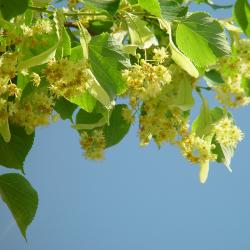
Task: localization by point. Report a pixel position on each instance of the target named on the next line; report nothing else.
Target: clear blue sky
(137, 199)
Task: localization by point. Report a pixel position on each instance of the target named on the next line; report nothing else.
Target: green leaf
(118, 127)
(153, 7)
(22, 81)
(245, 84)
(5, 130)
(187, 41)
(218, 151)
(84, 117)
(178, 57)
(84, 101)
(114, 131)
(13, 154)
(172, 10)
(216, 114)
(12, 8)
(21, 199)
(64, 48)
(213, 77)
(242, 15)
(84, 40)
(41, 3)
(202, 39)
(184, 99)
(96, 90)
(65, 108)
(76, 54)
(106, 62)
(202, 124)
(108, 47)
(139, 33)
(110, 6)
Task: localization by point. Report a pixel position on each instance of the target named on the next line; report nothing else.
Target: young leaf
(21, 199)
(178, 57)
(184, 99)
(153, 7)
(12, 8)
(13, 154)
(202, 123)
(84, 40)
(96, 90)
(242, 15)
(85, 101)
(139, 33)
(202, 39)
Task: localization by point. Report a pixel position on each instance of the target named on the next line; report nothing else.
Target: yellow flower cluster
(145, 80)
(233, 70)
(197, 150)
(227, 133)
(8, 63)
(93, 144)
(36, 79)
(160, 55)
(67, 78)
(42, 26)
(32, 111)
(128, 116)
(160, 122)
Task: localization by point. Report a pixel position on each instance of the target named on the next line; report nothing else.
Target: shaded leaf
(21, 199)
(110, 6)
(242, 15)
(118, 127)
(65, 108)
(13, 154)
(13, 8)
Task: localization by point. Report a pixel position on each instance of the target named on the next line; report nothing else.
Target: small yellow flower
(36, 80)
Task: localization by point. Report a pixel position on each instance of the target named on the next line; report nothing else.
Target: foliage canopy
(82, 61)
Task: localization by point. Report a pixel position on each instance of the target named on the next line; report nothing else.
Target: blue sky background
(137, 199)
